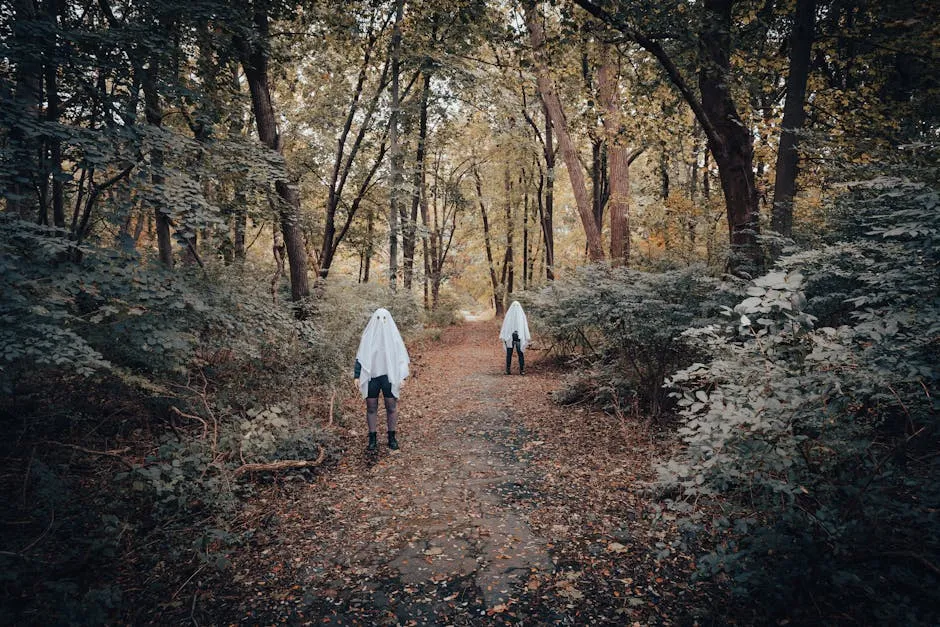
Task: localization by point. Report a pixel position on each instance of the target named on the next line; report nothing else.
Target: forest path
(500, 507)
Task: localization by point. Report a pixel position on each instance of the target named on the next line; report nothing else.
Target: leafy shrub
(625, 327)
(344, 308)
(445, 314)
(814, 423)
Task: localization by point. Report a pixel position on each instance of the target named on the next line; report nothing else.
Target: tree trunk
(729, 139)
(568, 150)
(241, 224)
(497, 300)
(525, 232)
(546, 214)
(619, 162)
(343, 162)
(599, 190)
(395, 152)
(509, 264)
(732, 145)
(664, 172)
(20, 193)
(409, 240)
(255, 64)
(154, 114)
(370, 246)
(52, 115)
(801, 43)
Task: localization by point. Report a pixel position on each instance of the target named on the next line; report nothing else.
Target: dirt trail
(490, 512)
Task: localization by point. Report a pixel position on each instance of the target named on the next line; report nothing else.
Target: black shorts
(380, 383)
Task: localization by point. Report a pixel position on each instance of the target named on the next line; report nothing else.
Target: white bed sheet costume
(515, 321)
(382, 351)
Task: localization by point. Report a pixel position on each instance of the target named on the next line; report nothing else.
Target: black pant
(509, 357)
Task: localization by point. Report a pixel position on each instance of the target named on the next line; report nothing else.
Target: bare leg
(391, 412)
(372, 413)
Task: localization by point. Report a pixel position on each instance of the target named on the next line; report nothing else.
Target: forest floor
(500, 507)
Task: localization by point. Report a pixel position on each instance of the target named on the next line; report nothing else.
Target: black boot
(392, 442)
(373, 441)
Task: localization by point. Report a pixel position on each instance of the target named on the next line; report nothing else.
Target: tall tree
(418, 190)
(54, 145)
(347, 150)
(619, 159)
(568, 150)
(801, 44)
(729, 138)
(509, 263)
(546, 186)
(20, 191)
(254, 57)
(396, 175)
(498, 304)
(153, 112)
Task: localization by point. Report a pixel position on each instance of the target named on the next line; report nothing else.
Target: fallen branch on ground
(280, 465)
(116, 453)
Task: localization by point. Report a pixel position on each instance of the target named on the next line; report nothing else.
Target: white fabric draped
(515, 321)
(382, 351)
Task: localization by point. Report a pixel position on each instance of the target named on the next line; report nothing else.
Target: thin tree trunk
(525, 232)
(599, 179)
(255, 64)
(52, 115)
(240, 212)
(546, 214)
(509, 264)
(370, 246)
(241, 223)
(20, 193)
(619, 164)
(154, 114)
(497, 300)
(664, 171)
(801, 44)
(568, 150)
(409, 232)
(395, 151)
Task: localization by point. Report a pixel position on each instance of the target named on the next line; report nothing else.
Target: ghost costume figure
(381, 366)
(515, 334)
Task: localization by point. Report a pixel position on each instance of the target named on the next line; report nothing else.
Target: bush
(188, 375)
(445, 314)
(625, 327)
(814, 423)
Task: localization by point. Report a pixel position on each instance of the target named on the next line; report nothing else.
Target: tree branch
(280, 465)
(655, 48)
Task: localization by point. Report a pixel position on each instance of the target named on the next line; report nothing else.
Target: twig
(926, 391)
(180, 589)
(280, 465)
(192, 608)
(42, 535)
(205, 425)
(332, 398)
(115, 453)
